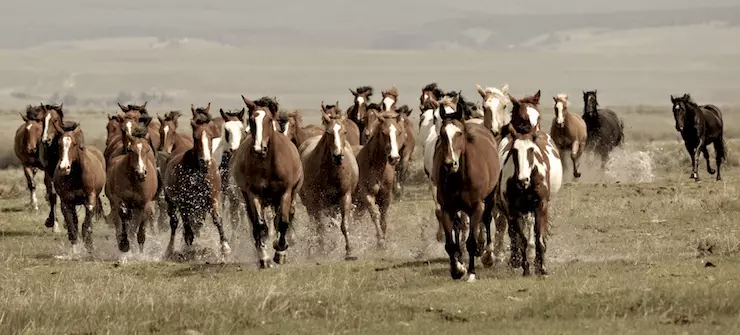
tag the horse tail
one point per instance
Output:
(98, 211)
(721, 149)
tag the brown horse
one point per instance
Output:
(170, 140)
(430, 91)
(117, 141)
(699, 126)
(568, 131)
(26, 144)
(377, 161)
(390, 97)
(133, 112)
(331, 172)
(193, 185)
(465, 170)
(49, 156)
(291, 125)
(79, 179)
(268, 170)
(132, 185)
(356, 113)
(527, 119)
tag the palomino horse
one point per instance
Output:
(79, 179)
(133, 112)
(465, 172)
(605, 128)
(268, 170)
(568, 131)
(357, 112)
(531, 175)
(26, 145)
(49, 156)
(699, 126)
(193, 186)
(377, 160)
(331, 172)
(291, 125)
(131, 186)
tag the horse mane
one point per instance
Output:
(202, 117)
(172, 115)
(69, 126)
(392, 91)
(139, 131)
(33, 113)
(365, 89)
(462, 105)
(268, 103)
(438, 93)
(405, 110)
(562, 97)
(283, 116)
(375, 106)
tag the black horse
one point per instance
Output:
(605, 130)
(699, 126)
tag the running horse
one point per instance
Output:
(605, 130)
(465, 172)
(79, 180)
(330, 176)
(700, 125)
(390, 97)
(26, 145)
(568, 131)
(291, 125)
(49, 156)
(357, 112)
(267, 169)
(132, 112)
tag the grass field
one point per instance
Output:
(637, 249)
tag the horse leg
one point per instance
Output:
(218, 221)
(30, 173)
(70, 217)
(604, 153)
(691, 149)
(90, 210)
(472, 243)
(374, 210)
(384, 203)
(719, 155)
(260, 230)
(487, 258)
(695, 160)
(515, 249)
(575, 155)
(234, 210)
(346, 208)
(440, 229)
(51, 197)
(460, 224)
(705, 152)
(457, 269)
(540, 229)
(172, 213)
(518, 225)
(189, 222)
(162, 215)
(530, 246)
(147, 219)
(314, 216)
(284, 218)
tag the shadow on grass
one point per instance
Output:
(414, 264)
(7, 234)
(16, 209)
(208, 269)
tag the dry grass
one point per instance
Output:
(625, 257)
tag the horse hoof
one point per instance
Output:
(487, 259)
(440, 236)
(50, 223)
(225, 248)
(576, 174)
(711, 171)
(458, 271)
(471, 278)
(265, 264)
(719, 178)
(279, 258)
(55, 228)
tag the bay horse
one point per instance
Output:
(268, 170)
(132, 186)
(390, 97)
(134, 111)
(531, 175)
(330, 176)
(465, 172)
(291, 125)
(79, 180)
(431, 90)
(26, 145)
(377, 162)
(699, 126)
(353, 132)
(568, 131)
(117, 141)
(357, 112)
(193, 185)
(170, 140)
(49, 156)
(605, 130)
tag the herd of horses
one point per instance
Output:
(485, 162)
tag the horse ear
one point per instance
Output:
(208, 108)
(221, 111)
(456, 99)
(25, 119)
(122, 107)
(505, 89)
(481, 91)
(241, 113)
(337, 106)
(537, 97)
(325, 118)
(352, 91)
(144, 105)
(146, 121)
(249, 103)
(323, 107)
(192, 109)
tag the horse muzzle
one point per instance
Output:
(452, 165)
(393, 160)
(65, 171)
(205, 163)
(338, 159)
(141, 176)
(261, 152)
(525, 182)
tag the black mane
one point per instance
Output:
(438, 93)
(365, 89)
(268, 103)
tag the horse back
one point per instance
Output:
(713, 122)
(482, 160)
(94, 168)
(353, 132)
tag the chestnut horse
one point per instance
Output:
(331, 173)
(49, 156)
(79, 179)
(377, 161)
(356, 113)
(408, 144)
(699, 126)
(26, 144)
(291, 125)
(170, 140)
(134, 111)
(465, 171)
(193, 185)
(132, 186)
(268, 170)
(568, 131)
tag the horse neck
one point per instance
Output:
(376, 151)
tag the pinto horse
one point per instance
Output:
(291, 125)
(79, 179)
(699, 126)
(465, 172)
(331, 174)
(268, 170)
(377, 161)
(26, 145)
(132, 186)
(568, 131)
(357, 112)
(605, 130)
(193, 185)
(233, 133)
(49, 156)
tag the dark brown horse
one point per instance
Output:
(430, 91)
(170, 140)
(331, 172)
(117, 141)
(568, 131)
(49, 156)
(291, 125)
(605, 128)
(357, 112)
(132, 185)
(193, 185)
(526, 119)
(268, 170)
(377, 161)
(407, 144)
(26, 144)
(699, 126)
(79, 179)
(134, 111)
(466, 170)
